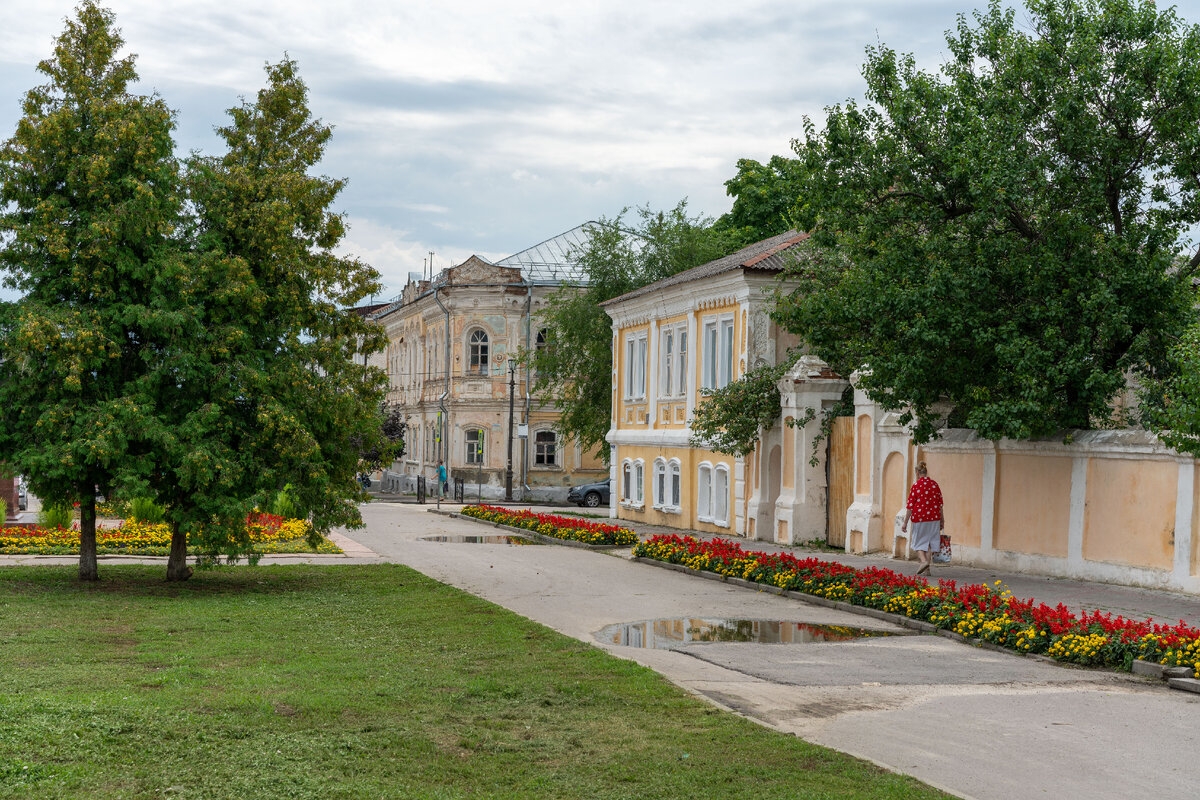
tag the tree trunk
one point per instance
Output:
(177, 567)
(88, 569)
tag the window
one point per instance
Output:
(635, 366)
(721, 495)
(639, 482)
(626, 480)
(718, 353)
(545, 448)
(478, 345)
(475, 446)
(633, 482)
(704, 493)
(672, 361)
(660, 483)
(676, 477)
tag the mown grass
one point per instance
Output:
(354, 682)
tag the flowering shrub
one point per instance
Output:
(551, 525)
(269, 533)
(977, 611)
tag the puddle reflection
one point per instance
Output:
(484, 539)
(668, 634)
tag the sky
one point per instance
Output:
(486, 127)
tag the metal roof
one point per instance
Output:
(553, 261)
(767, 255)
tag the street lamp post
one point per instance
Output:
(512, 388)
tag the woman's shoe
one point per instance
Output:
(924, 570)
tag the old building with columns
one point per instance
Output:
(451, 360)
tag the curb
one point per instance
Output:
(528, 534)
(1175, 677)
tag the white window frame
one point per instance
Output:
(672, 361)
(674, 499)
(479, 353)
(639, 482)
(626, 481)
(719, 344)
(704, 481)
(635, 365)
(660, 485)
(720, 504)
(481, 444)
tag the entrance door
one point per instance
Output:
(839, 466)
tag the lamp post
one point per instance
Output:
(512, 387)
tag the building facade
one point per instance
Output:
(452, 364)
(699, 329)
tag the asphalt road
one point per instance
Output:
(975, 723)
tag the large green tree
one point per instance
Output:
(262, 389)
(88, 206)
(574, 371)
(765, 199)
(1005, 235)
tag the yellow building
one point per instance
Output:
(699, 329)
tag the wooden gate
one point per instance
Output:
(839, 469)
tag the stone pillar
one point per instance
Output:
(800, 511)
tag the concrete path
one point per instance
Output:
(975, 723)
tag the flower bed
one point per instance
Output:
(552, 525)
(269, 533)
(976, 611)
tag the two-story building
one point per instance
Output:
(453, 343)
(703, 328)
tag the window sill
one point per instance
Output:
(633, 506)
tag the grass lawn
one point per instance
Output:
(354, 682)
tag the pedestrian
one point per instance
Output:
(443, 482)
(925, 513)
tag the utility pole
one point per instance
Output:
(512, 386)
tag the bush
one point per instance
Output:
(55, 516)
(3, 511)
(143, 509)
(285, 505)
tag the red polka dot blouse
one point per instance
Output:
(924, 501)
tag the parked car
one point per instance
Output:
(589, 494)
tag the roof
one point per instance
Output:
(553, 261)
(769, 255)
(367, 310)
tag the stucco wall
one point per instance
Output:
(1130, 512)
(960, 477)
(1033, 504)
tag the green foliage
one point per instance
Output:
(573, 373)
(55, 515)
(1170, 406)
(143, 509)
(88, 205)
(284, 504)
(730, 419)
(1004, 236)
(200, 358)
(765, 198)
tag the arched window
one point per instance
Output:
(474, 439)
(721, 494)
(542, 340)
(477, 344)
(626, 480)
(704, 480)
(676, 481)
(545, 449)
(660, 483)
(639, 482)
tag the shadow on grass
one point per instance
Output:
(150, 581)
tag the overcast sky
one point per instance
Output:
(486, 127)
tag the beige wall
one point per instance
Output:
(1033, 504)
(1130, 512)
(960, 477)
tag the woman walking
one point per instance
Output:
(925, 513)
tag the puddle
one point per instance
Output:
(491, 538)
(668, 634)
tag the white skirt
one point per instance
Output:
(926, 536)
